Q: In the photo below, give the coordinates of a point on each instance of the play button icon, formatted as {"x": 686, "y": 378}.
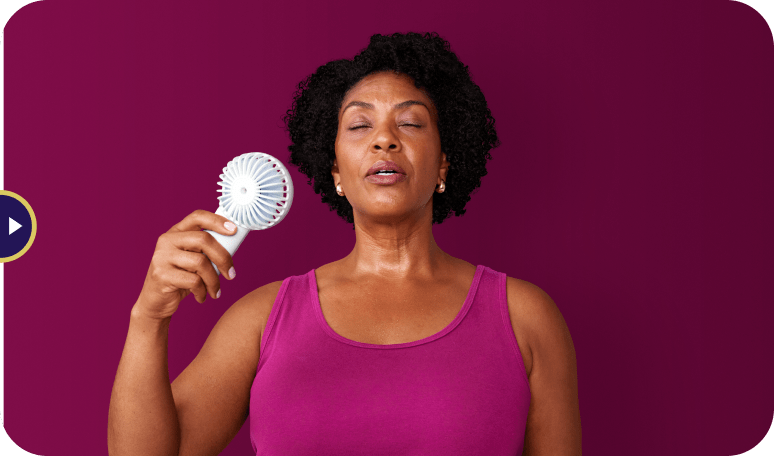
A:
{"x": 13, "y": 225}
{"x": 22, "y": 226}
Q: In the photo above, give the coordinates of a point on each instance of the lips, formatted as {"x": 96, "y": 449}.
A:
{"x": 385, "y": 165}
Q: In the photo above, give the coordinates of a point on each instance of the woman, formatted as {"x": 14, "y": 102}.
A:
{"x": 397, "y": 348}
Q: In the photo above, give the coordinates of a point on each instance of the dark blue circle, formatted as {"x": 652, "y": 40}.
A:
{"x": 11, "y": 244}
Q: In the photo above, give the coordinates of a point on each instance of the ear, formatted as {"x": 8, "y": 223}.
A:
{"x": 335, "y": 172}
{"x": 444, "y": 168}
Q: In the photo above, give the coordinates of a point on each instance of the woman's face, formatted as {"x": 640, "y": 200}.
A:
{"x": 385, "y": 119}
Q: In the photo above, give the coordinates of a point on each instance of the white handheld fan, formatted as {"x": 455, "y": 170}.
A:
{"x": 257, "y": 193}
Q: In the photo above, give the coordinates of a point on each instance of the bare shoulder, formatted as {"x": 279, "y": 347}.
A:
{"x": 256, "y": 305}
{"x": 212, "y": 394}
{"x": 537, "y": 322}
{"x": 553, "y": 424}
{"x": 524, "y": 302}
{"x": 263, "y": 301}
{"x": 257, "y": 300}
{"x": 237, "y": 334}
{"x": 248, "y": 315}
{"x": 242, "y": 324}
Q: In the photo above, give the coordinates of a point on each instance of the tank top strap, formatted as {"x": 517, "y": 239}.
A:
{"x": 290, "y": 317}
{"x": 493, "y": 297}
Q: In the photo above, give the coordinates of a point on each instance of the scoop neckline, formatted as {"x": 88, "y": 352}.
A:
{"x": 328, "y": 330}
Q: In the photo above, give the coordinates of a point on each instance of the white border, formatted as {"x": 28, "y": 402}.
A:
{"x": 7, "y": 9}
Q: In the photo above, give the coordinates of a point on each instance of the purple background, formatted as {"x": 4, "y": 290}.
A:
{"x": 633, "y": 185}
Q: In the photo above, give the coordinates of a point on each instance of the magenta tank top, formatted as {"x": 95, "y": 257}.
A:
{"x": 462, "y": 391}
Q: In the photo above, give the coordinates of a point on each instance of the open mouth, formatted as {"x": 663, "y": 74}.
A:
{"x": 386, "y": 177}
{"x": 385, "y": 168}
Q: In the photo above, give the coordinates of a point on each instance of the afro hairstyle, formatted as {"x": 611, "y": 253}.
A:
{"x": 465, "y": 124}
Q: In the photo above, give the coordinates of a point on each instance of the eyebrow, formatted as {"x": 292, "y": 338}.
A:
{"x": 401, "y": 105}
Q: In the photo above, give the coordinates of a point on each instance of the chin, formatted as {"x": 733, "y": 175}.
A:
{"x": 391, "y": 214}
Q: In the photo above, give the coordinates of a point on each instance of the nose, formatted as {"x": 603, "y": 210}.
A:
{"x": 386, "y": 139}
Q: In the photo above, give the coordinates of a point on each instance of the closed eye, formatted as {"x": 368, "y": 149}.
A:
{"x": 358, "y": 126}
{"x": 410, "y": 125}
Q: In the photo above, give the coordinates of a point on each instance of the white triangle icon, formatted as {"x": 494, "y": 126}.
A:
{"x": 13, "y": 225}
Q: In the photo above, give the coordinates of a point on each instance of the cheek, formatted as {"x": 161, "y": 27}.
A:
{"x": 348, "y": 163}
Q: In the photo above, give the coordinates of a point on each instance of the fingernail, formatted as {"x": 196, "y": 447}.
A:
{"x": 232, "y": 272}
{"x": 229, "y": 226}
{"x": 217, "y": 295}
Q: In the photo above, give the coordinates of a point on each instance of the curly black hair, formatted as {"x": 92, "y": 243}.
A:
{"x": 465, "y": 124}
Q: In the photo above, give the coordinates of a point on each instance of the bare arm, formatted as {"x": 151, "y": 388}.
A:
{"x": 142, "y": 417}
{"x": 207, "y": 404}
{"x": 553, "y": 423}
{"x": 212, "y": 394}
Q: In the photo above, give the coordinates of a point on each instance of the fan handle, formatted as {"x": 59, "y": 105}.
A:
{"x": 231, "y": 243}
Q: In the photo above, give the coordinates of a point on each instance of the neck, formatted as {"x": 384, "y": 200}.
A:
{"x": 397, "y": 249}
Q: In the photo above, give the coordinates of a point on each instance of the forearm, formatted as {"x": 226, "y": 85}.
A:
{"x": 143, "y": 419}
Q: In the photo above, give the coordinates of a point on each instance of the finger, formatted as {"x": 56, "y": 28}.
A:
{"x": 199, "y": 241}
{"x": 205, "y": 220}
{"x": 186, "y": 280}
{"x": 199, "y": 264}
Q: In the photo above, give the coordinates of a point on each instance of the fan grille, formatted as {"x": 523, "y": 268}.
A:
{"x": 256, "y": 190}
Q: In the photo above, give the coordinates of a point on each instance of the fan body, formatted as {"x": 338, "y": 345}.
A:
{"x": 256, "y": 194}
